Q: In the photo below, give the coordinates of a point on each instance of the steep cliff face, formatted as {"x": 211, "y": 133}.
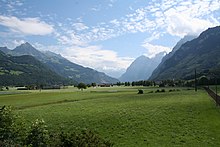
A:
{"x": 141, "y": 68}
{"x": 169, "y": 55}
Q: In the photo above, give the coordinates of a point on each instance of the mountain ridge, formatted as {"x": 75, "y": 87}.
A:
{"x": 61, "y": 65}
{"x": 170, "y": 54}
{"x": 201, "y": 53}
{"x": 26, "y": 70}
{"x": 141, "y": 68}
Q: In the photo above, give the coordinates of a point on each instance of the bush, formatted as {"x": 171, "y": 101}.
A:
{"x": 12, "y": 130}
{"x": 81, "y": 86}
{"x": 12, "y": 133}
{"x": 157, "y": 91}
{"x": 38, "y": 135}
{"x": 7, "y": 119}
{"x": 163, "y": 90}
{"x": 140, "y": 91}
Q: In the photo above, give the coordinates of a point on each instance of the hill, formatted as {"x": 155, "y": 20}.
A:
{"x": 141, "y": 68}
{"x": 201, "y": 54}
{"x": 25, "y": 70}
{"x": 169, "y": 55}
{"x": 62, "y": 66}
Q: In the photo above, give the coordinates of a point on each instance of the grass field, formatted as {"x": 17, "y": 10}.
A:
{"x": 179, "y": 118}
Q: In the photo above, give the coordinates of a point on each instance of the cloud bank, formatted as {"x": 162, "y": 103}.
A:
{"x": 26, "y": 26}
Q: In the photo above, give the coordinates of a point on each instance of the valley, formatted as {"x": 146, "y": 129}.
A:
{"x": 122, "y": 116}
{"x": 110, "y": 73}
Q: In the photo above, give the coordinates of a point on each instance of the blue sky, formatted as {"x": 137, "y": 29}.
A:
{"x": 106, "y": 35}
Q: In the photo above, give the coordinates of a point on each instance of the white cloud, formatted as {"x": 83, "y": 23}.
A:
{"x": 176, "y": 18}
{"x": 71, "y": 39}
{"x": 110, "y": 5}
{"x": 95, "y": 57}
{"x": 10, "y": 6}
{"x": 26, "y": 26}
{"x": 152, "y": 50}
{"x": 180, "y": 24}
{"x": 18, "y": 42}
{"x": 154, "y": 36}
{"x": 179, "y": 18}
{"x": 98, "y": 58}
{"x": 80, "y": 26}
{"x": 11, "y": 44}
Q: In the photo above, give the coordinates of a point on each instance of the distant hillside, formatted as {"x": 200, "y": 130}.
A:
{"x": 169, "y": 55}
{"x": 74, "y": 71}
{"x": 25, "y": 70}
{"x": 201, "y": 54}
{"x": 62, "y": 66}
{"x": 141, "y": 68}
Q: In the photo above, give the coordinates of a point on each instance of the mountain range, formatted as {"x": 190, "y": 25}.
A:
{"x": 60, "y": 65}
{"x": 169, "y": 55}
{"x": 200, "y": 54}
{"x": 141, "y": 68}
{"x": 26, "y": 70}
{"x": 27, "y": 65}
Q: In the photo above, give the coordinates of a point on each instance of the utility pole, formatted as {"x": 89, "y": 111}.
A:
{"x": 195, "y": 82}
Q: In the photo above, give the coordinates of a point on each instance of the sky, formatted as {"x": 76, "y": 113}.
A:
{"x": 106, "y": 35}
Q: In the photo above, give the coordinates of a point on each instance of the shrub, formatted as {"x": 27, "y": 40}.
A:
{"x": 163, "y": 90}
{"x": 157, "y": 91}
{"x": 140, "y": 91}
{"x": 81, "y": 86}
{"x": 38, "y": 135}
{"x": 12, "y": 130}
{"x": 7, "y": 119}
{"x": 12, "y": 133}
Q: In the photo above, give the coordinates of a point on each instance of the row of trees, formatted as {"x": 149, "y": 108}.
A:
{"x": 137, "y": 83}
{"x": 203, "y": 80}
{"x": 171, "y": 83}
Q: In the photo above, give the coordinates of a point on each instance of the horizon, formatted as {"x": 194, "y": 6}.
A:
{"x": 108, "y": 35}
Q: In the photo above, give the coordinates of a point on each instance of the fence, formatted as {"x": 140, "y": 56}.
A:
{"x": 215, "y": 97}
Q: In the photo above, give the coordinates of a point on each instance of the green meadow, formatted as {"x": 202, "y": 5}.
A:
{"x": 178, "y": 118}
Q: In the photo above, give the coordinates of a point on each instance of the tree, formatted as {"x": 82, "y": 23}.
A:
{"x": 93, "y": 84}
{"x": 203, "y": 80}
{"x": 140, "y": 91}
{"x": 81, "y": 86}
{"x": 118, "y": 83}
{"x": 133, "y": 84}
